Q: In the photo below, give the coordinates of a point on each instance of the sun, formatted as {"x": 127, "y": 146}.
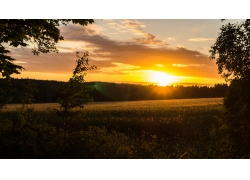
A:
{"x": 162, "y": 79}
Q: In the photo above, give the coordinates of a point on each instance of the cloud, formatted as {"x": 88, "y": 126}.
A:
{"x": 159, "y": 65}
{"x": 126, "y": 25}
{"x": 149, "y": 39}
{"x": 179, "y": 65}
{"x": 77, "y": 30}
{"x": 146, "y": 57}
{"x": 116, "y": 57}
{"x": 20, "y": 62}
{"x": 135, "y": 27}
{"x": 119, "y": 68}
{"x": 180, "y": 46}
{"x": 73, "y": 46}
{"x": 133, "y": 24}
{"x": 200, "y": 39}
{"x": 170, "y": 39}
{"x": 186, "y": 65}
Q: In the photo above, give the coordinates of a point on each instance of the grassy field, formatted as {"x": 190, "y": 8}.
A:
{"x": 131, "y": 105}
{"x": 183, "y": 128}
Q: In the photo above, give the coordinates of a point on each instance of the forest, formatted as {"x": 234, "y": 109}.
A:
{"x": 47, "y": 91}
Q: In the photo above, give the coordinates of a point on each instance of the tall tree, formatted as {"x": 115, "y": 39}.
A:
{"x": 232, "y": 51}
{"x": 43, "y": 34}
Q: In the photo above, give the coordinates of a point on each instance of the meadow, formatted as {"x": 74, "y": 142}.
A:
{"x": 130, "y": 105}
{"x": 180, "y": 128}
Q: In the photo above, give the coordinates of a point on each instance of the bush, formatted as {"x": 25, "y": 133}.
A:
{"x": 237, "y": 116}
{"x": 237, "y": 99}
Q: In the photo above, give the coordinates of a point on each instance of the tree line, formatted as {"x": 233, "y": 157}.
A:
{"x": 48, "y": 91}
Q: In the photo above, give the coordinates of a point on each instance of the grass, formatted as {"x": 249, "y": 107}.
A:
{"x": 132, "y": 105}
{"x": 184, "y": 128}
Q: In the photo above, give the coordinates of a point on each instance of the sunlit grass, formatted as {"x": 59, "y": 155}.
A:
{"x": 131, "y": 105}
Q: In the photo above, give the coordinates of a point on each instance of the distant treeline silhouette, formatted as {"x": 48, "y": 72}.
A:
{"x": 47, "y": 91}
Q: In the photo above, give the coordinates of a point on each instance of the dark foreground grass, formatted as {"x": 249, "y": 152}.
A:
{"x": 174, "y": 132}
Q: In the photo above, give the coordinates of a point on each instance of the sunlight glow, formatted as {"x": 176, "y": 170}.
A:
{"x": 162, "y": 79}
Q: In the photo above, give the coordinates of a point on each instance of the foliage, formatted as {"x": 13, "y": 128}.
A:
{"x": 232, "y": 53}
{"x": 103, "y": 91}
{"x": 28, "y": 93}
{"x": 232, "y": 50}
{"x": 75, "y": 91}
{"x": 237, "y": 98}
{"x": 132, "y": 92}
{"x": 7, "y": 67}
{"x": 6, "y": 90}
{"x": 43, "y": 34}
{"x": 47, "y": 91}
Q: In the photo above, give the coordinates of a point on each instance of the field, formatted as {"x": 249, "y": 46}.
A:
{"x": 183, "y": 128}
{"x": 132, "y": 105}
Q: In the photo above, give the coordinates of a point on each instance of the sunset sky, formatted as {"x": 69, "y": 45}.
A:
{"x": 144, "y": 51}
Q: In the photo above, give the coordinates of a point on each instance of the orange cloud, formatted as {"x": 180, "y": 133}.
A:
{"x": 200, "y": 39}
{"x": 117, "y": 57}
{"x": 159, "y": 65}
{"x": 186, "y": 65}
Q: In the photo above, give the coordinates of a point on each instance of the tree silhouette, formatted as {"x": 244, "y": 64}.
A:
{"x": 232, "y": 51}
{"x": 43, "y": 34}
{"x": 75, "y": 92}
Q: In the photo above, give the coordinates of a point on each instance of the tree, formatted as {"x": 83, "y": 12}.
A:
{"x": 43, "y": 34}
{"x": 232, "y": 51}
{"x": 6, "y": 91}
{"x": 75, "y": 91}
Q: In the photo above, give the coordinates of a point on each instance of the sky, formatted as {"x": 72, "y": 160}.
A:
{"x": 138, "y": 51}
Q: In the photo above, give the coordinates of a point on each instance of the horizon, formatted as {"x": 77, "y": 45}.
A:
{"x": 145, "y": 51}
{"x": 136, "y": 83}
